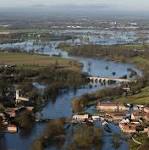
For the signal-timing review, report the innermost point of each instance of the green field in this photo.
(141, 138)
(141, 98)
(135, 54)
(25, 59)
(141, 62)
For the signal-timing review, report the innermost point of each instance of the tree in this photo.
(116, 140)
(2, 108)
(37, 145)
(25, 120)
(145, 145)
(3, 87)
(77, 106)
(87, 137)
(1, 124)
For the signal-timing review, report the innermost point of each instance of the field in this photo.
(24, 59)
(141, 62)
(141, 138)
(141, 98)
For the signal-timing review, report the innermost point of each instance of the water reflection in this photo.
(60, 105)
(3, 143)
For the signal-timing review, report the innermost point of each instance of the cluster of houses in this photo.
(7, 117)
(130, 118)
(85, 118)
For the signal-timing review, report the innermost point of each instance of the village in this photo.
(130, 118)
(8, 116)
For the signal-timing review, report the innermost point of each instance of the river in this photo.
(62, 105)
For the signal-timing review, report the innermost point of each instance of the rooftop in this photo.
(109, 104)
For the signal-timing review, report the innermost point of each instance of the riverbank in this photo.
(36, 60)
(138, 94)
(135, 54)
(139, 141)
(31, 81)
(33, 67)
(61, 106)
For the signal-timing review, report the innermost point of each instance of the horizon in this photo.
(115, 5)
(96, 9)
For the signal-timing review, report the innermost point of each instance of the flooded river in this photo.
(62, 105)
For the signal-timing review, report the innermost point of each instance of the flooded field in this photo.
(61, 107)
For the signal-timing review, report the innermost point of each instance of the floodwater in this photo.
(61, 107)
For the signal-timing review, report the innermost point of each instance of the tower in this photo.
(17, 95)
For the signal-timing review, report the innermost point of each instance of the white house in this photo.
(80, 117)
(95, 118)
(19, 98)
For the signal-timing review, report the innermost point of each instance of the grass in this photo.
(140, 61)
(135, 46)
(141, 138)
(24, 59)
(140, 98)
(143, 96)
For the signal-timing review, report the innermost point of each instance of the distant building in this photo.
(4, 33)
(111, 107)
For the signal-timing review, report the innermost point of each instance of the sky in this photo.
(131, 5)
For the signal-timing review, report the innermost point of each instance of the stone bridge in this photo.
(95, 79)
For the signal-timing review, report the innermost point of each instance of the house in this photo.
(128, 127)
(11, 112)
(12, 128)
(80, 117)
(126, 120)
(117, 116)
(2, 115)
(136, 115)
(146, 116)
(95, 118)
(111, 107)
(146, 109)
(140, 107)
(29, 108)
(146, 130)
(19, 99)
